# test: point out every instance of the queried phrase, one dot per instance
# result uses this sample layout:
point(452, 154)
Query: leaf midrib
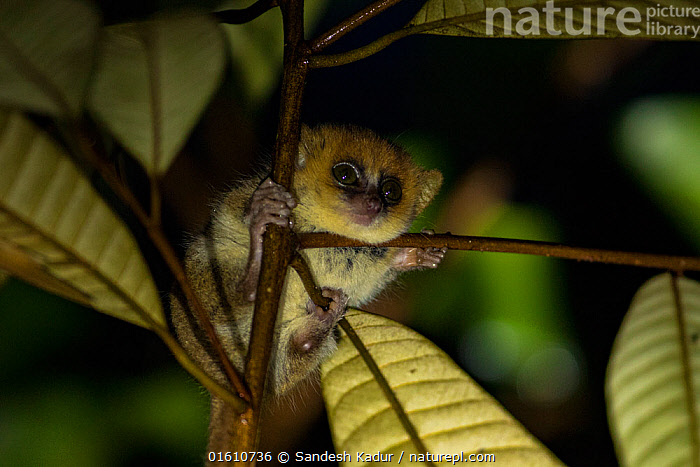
point(687, 373)
point(34, 75)
point(149, 37)
point(73, 256)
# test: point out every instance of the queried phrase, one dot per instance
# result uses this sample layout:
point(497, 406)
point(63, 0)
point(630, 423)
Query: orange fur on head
point(325, 205)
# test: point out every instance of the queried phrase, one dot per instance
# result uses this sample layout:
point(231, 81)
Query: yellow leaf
point(56, 232)
point(448, 412)
point(653, 382)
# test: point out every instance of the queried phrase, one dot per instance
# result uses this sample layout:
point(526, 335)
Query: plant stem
point(324, 61)
point(162, 244)
point(156, 201)
point(302, 269)
point(504, 245)
point(278, 246)
point(192, 368)
point(385, 387)
point(244, 15)
point(359, 18)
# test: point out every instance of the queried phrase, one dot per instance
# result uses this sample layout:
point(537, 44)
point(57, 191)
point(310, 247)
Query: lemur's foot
point(335, 310)
point(313, 336)
point(419, 258)
point(271, 203)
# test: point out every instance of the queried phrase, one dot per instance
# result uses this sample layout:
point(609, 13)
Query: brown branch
point(304, 272)
point(302, 268)
point(244, 15)
point(155, 200)
point(358, 19)
point(161, 243)
point(278, 247)
point(324, 61)
point(385, 387)
point(504, 245)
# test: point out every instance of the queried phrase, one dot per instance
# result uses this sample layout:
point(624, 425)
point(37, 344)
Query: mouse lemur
point(348, 181)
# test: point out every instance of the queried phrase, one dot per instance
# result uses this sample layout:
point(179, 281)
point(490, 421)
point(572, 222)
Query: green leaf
point(46, 54)
point(257, 47)
point(153, 81)
point(633, 19)
point(660, 143)
point(256, 52)
point(653, 382)
point(56, 232)
point(448, 410)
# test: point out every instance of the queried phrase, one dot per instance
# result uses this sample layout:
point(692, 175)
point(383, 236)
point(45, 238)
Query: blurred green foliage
point(256, 51)
point(659, 140)
point(63, 402)
point(505, 310)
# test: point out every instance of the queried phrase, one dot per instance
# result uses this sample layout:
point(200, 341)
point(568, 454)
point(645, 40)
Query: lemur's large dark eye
point(391, 190)
point(345, 173)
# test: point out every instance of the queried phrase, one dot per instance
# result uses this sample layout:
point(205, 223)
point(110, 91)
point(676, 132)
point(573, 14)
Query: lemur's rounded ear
point(430, 185)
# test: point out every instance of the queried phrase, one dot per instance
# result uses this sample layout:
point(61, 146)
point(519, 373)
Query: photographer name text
point(455, 458)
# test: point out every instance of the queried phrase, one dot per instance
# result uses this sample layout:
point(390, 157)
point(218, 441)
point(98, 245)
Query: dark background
point(512, 123)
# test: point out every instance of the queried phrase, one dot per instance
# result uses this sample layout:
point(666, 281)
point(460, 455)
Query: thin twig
point(162, 244)
point(304, 272)
point(244, 15)
point(358, 19)
point(504, 245)
point(302, 268)
point(385, 387)
point(192, 368)
point(156, 201)
point(324, 61)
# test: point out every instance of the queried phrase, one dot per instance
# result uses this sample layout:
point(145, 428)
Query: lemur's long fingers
point(270, 204)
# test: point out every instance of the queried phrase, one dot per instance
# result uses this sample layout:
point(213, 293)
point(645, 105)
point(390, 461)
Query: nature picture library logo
point(664, 21)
